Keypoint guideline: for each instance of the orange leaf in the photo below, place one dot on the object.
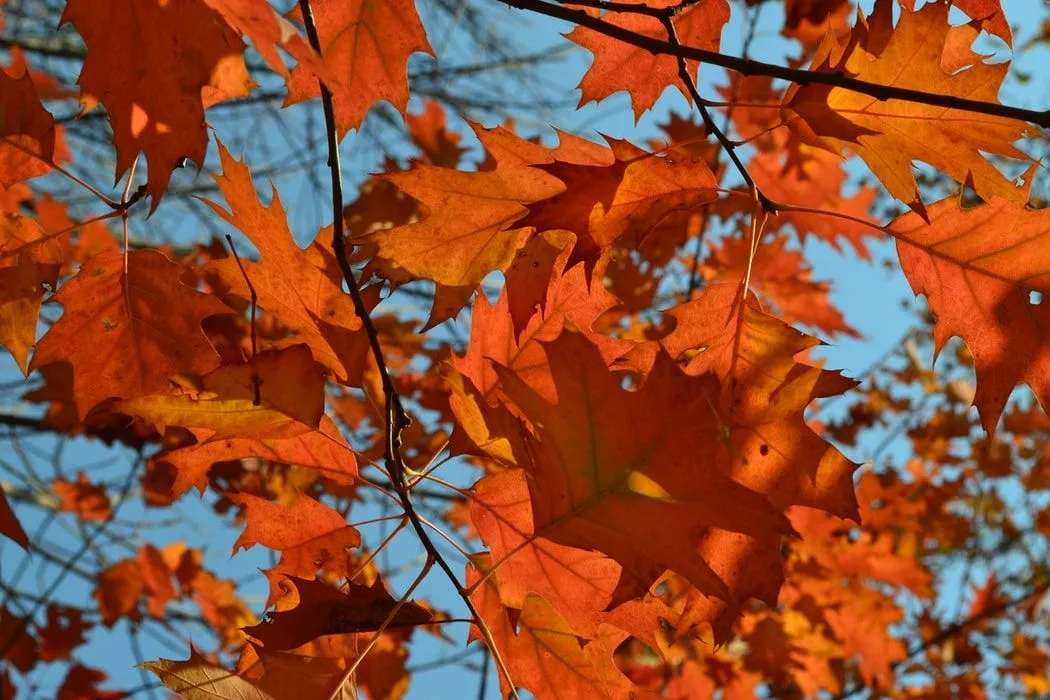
(88, 501)
(27, 130)
(30, 260)
(977, 268)
(324, 450)
(618, 472)
(324, 610)
(301, 288)
(193, 59)
(309, 534)
(127, 333)
(291, 398)
(619, 66)
(366, 45)
(890, 134)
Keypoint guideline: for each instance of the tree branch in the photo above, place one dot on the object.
(793, 75)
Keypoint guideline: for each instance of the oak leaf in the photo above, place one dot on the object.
(366, 45)
(87, 500)
(470, 228)
(631, 191)
(63, 633)
(613, 471)
(288, 383)
(301, 287)
(978, 269)
(619, 66)
(127, 330)
(888, 135)
(765, 391)
(323, 449)
(325, 610)
(542, 652)
(30, 261)
(309, 534)
(9, 525)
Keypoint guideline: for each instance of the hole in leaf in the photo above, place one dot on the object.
(1035, 298)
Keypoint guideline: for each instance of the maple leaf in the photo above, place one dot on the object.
(192, 60)
(977, 268)
(324, 450)
(127, 329)
(366, 45)
(888, 135)
(27, 130)
(324, 610)
(85, 499)
(292, 402)
(30, 260)
(619, 66)
(309, 535)
(613, 472)
(301, 288)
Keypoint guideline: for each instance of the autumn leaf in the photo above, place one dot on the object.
(196, 678)
(324, 610)
(27, 130)
(291, 404)
(118, 324)
(619, 66)
(256, 20)
(365, 45)
(30, 261)
(577, 583)
(470, 226)
(9, 525)
(192, 61)
(633, 191)
(889, 134)
(324, 450)
(610, 470)
(765, 391)
(542, 652)
(309, 535)
(87, 500)
(978, 268)
(63, 633)
(301, 288)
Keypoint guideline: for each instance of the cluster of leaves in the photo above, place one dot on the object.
(643, 506)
